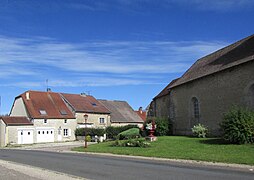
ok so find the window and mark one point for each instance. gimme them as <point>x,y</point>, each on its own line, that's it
<point>63,112</point>
<point>43,112</point>
<point>65,121</point>
<point>39,132</point>
<point>102,120</point>
<point>94,104</point>
<point>195,104</point>
<point>28,133</point>
<point>45,121</point>
<point>65,132</point>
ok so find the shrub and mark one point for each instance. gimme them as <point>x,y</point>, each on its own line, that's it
<point>89,131</point>
<point>163,127</point>
<point>112,131</point>
<point>129,134</point>
<point>199,130</point>
<point>131,143</point>
<point>88,138</point>
<point>238,126</point>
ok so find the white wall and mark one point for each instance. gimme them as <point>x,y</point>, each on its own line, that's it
<point>18,108</point>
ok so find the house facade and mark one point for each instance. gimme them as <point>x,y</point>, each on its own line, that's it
<point>52,120</point>
<point>12,127</point>
<point>209,88</point>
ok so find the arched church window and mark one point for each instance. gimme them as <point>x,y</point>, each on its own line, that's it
<point>195,106</point>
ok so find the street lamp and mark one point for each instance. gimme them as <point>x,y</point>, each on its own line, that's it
<point>86,117</point>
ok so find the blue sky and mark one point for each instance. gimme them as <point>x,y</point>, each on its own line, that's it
<point>115,49</point>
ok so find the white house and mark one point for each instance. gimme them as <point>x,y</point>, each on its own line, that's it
<point>18,130</point>
<point>52,120</point>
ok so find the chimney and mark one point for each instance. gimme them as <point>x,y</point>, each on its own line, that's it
<point>140,110</point>
<point>27,96</point>
<point>83,94</point>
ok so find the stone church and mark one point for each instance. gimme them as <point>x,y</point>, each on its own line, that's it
<point>208,89</point>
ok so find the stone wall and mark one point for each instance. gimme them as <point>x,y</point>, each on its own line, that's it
<point>216,94</point>
<point>162,106</point>
<point>94,119</point>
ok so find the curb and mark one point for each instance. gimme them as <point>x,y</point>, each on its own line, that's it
<point>249,168</point>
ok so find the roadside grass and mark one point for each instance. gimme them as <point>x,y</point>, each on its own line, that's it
<point>180,147</point>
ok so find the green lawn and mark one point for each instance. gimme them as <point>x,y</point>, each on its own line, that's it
<point>179,147</point>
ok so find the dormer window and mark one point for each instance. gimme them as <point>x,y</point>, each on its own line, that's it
<point>94,104</point>
<point>43,112</point>
<point>63,112</point>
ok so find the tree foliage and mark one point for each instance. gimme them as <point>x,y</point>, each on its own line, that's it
<point>238,126</point>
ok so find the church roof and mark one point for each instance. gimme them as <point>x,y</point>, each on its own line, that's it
<point>165,91</point>
<point>235,54</point>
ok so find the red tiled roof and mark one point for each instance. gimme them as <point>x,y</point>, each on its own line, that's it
<point>85,103</point>
<point>15,120</point>
<point>142,114</point>
<point>50,102</point>
<point>235,54</point>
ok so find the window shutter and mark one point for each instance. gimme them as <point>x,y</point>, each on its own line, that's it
<point>69,132</point>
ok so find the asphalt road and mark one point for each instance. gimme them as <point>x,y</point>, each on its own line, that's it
<point>99,167</point>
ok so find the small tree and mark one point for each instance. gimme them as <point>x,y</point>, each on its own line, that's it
<point>238,126</point>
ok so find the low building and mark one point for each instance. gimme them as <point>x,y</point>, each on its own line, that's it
<point>121,113</point>
<point>16,130</point>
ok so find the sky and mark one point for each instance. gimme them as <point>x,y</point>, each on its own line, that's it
<point>111,49</point>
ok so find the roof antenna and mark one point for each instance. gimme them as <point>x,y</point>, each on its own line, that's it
<point>47,84</point>
<point>88,93</point>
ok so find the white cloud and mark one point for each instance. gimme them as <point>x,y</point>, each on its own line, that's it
<point>45,57</point>
<point>214,5</point>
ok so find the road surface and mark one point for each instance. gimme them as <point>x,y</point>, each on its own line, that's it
<point>106,167</point>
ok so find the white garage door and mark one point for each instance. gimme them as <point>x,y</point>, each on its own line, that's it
<point>45,135</point>
<point>25,136</point>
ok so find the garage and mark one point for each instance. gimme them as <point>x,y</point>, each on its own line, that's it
<point>45,135</point>
<point>25,136</point>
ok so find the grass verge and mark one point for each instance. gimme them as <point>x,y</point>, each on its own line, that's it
<point>179,147</point>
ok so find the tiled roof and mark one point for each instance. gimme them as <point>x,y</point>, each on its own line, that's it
<point>142,114</point>
<point>85,103</point>
<point>232,55</point>
<point>48,105</point>
<point>13,120</point>
<point>165,91</point>
<point>121,112</point>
